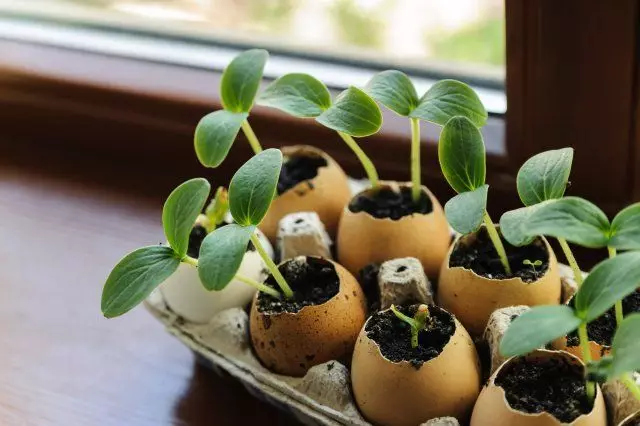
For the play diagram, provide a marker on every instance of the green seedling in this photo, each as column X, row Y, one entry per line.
column 353, row 113
column 533, row 264
column 610, row 281
column 462, row 159
column 250, row 193
column 217, row 209
column 444, row 100
column 418, row 323
column 623, row 359
column 239, row 85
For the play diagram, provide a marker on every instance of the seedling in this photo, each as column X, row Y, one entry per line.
column 444, row 100
column 533, row 264
column 250, row 193
column 418, row 323
column 217, row 209
column 352, row 113
column 462, row 158
column 609, row 282
column 239, row 85
column 623, row 359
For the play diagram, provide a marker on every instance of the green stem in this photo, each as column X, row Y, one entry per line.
column 497, row 242
column 631, row 385
column 282, row 283
column 618, row 305
column 586, row 357
column 415, row 159
column 577, row 273
column 190, row 261
column 251, row 137
column 261, row 287
column 372, row 173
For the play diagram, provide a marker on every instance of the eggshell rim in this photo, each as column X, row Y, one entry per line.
column 306, row 149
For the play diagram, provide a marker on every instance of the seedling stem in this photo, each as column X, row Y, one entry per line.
column 631, row 385
column 618, row 305
column 369, row 168
column 415, row 159
column 497, row 242
column 190, row 261
column 251, row 137
column 577, row 273
column 417, row 323
column 586, row 357
column 282, row 283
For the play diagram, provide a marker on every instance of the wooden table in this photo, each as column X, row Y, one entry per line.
column 61, row 362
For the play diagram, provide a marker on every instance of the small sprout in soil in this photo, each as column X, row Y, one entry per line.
column 533, row 264
column 623, row 359
column 239, row 85
column 444, row 100
column 217, row 209
column 609, row 282
column 419, row 322
column 462, row 159
column 352, row 113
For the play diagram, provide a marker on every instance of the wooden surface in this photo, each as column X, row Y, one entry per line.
column 61, row 362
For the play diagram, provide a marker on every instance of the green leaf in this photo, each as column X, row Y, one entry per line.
column 221, row 254
column 625, row 229
column 394, row 90
column 447, row 99
column 514, row 228
column 537, row 327
column 218, row 207
column 461, row 155
column 544, row 176
column 241, row 79
column 215, row 134
column 626, row 347
column 135, row 277
column 354, row 113
column 572, row 218
column 465, row 211
column 300, row 95
column 610, row 281
column 181, row 210
column 253, row 187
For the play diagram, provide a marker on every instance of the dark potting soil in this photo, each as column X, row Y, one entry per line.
column 368, row 279
column 602, row 329
column 553, row 385
column 313, row 283
column 197, row 235
column 393, row 335
column 387, row 203
column 298, row 168
column 481, row 257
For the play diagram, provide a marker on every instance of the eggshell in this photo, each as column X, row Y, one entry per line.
column 473, row 298
column 291, row 343
column 597, row 350
column 363, row 239
column 492, row 407
column 327, row 195
column 186, row 296
column 632, row 420
column 398, row 394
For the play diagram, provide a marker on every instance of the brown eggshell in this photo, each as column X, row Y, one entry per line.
column 327, row 195
column 395, row 393
column 291, row 343
column 472, row 298
column 597, row 350
column 492, row 407
column 363, row 239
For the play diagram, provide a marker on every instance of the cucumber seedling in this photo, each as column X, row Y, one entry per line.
column 250, row 193
column 461, row 153
column 609, row 282
column 533, row 264
column 352, row 113
column 216, row 132
column 418, row 323
column 216, row 211
column 444, row 100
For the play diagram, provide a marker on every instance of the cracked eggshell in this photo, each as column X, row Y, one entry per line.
column 326, row 194
column 185, row 295
column 492, row 407
column 398, row 394
column 290, row 343
column 363, row 239
column 473, row 298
